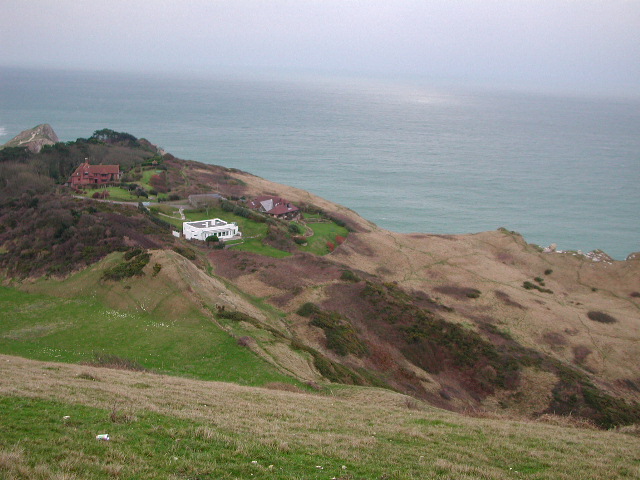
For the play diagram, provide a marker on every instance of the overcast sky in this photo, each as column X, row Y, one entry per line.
column 589, row 45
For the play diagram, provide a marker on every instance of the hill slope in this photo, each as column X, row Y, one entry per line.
column 481, row 321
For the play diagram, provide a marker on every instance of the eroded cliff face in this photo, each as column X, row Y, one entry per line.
column 35, row 138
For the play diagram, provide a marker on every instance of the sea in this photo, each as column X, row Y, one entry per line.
column 404, row 154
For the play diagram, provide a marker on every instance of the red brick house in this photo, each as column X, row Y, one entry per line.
column 275, row 206
column 87, row 174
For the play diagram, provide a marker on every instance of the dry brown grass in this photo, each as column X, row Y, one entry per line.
column 498, row 261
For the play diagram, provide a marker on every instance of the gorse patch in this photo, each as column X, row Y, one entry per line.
column 341, row 336
column 128, row 269
column 601, row 317
column 114, row 361
column 55, row 235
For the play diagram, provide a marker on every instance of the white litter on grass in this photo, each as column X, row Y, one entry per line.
column 103, row 436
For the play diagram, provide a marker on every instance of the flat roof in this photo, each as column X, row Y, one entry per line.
column 214, row 222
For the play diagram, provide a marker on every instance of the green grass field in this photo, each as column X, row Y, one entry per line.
column 117, row 194
column 323, row 233
column 147, row 173
column 75, row 330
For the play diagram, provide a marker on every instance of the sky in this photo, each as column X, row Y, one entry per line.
column 582, row 45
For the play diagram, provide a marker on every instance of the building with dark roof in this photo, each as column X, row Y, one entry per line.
column 274, row 206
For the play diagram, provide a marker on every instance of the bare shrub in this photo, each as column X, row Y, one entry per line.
column 580, row 354
column 506, row 299
column 246, row 341
column 119, row 416
column 554, row 339
column 88, row 376
column 460, row 293
column 601, row 317
column 411, row 403
column 113, row 361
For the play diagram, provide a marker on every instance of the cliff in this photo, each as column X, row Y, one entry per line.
column 35, row 138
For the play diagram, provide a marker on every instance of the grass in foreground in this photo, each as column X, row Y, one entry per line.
column 177, row 428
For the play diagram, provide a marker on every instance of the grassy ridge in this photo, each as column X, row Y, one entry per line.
column 182, row 428
column 75, row 330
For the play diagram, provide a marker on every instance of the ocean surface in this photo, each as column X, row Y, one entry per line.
column 407, row 156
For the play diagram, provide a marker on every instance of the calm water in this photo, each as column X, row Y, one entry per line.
column 410, row 158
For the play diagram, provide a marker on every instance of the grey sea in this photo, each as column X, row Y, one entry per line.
column 409, row 157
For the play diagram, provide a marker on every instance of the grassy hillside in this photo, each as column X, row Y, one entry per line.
column 172, row 428
column 85, row 330
column 145, row 320
column 482, row 322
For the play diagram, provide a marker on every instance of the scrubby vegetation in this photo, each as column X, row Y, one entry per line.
column 108, row 360
column 349, row 276
column 442, row 347
column 51, row 234
column 132, row 266
column 341, row 337
column 601, row 317
column 186, row 252
column 436, row 345
column 532, row 286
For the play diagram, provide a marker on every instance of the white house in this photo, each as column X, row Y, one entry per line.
column 206, row 228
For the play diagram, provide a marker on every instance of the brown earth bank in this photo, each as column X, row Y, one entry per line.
column 473, row 322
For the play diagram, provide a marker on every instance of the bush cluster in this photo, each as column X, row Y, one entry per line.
column 53, row 234
column 128, row 269
column 185, row 252
column 342, row 338
column 338, row 373
column 434, row 344
column 532, row 286
column 235, row 315
column 601, row 317
column 349, row 276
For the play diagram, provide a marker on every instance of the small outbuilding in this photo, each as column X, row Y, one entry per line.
column 207, row 228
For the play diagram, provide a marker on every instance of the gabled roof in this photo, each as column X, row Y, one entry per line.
column 273, row 205
column 97, row 169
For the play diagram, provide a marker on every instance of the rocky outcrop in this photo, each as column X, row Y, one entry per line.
column 35, row 138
